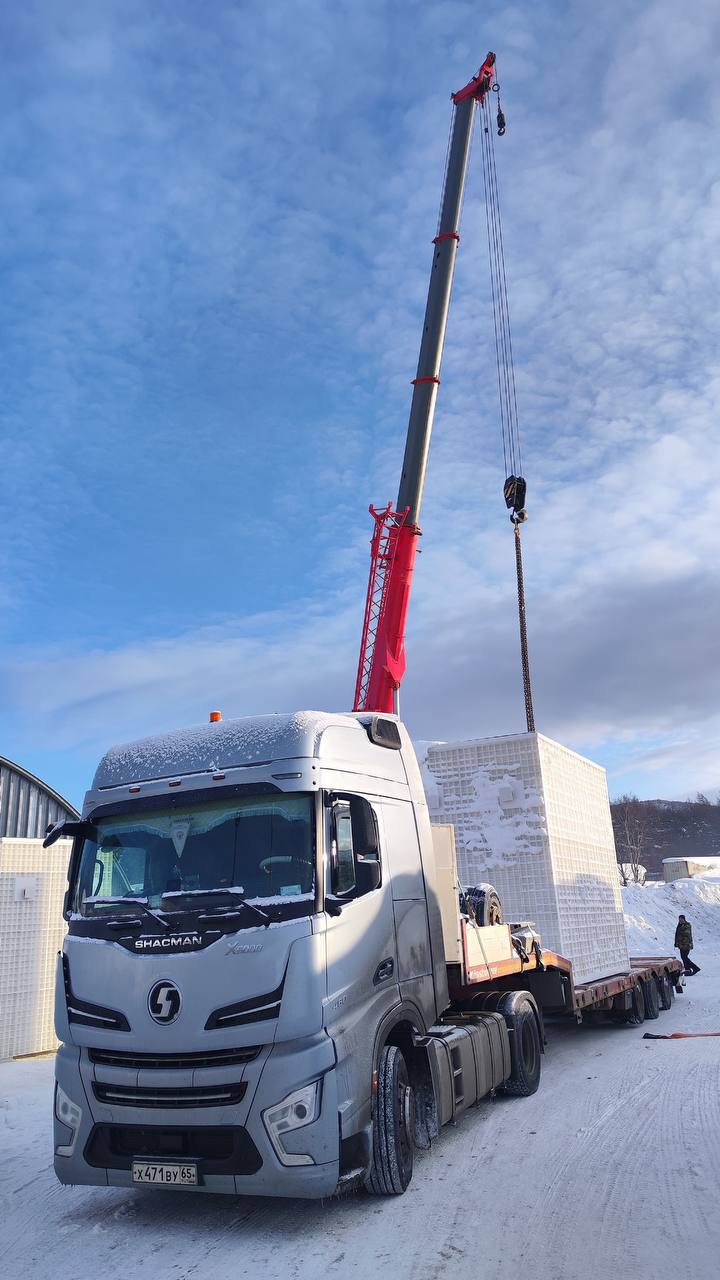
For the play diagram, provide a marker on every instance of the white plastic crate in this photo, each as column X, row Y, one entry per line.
column 533, row 819
column 32, row 884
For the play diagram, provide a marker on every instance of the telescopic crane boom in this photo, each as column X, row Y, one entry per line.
column 395, row 537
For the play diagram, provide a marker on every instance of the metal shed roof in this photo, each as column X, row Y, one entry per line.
column 27, row 804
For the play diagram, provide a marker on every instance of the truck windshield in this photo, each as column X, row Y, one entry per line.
column 262, row 847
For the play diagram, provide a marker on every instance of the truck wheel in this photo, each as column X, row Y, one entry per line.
column 484, row 902
column 666, row 991
column 636, row 1014
column 652, row 998
column 393, row 1127
column 524, row 1045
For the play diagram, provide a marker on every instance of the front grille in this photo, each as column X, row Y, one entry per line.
column 217, row 1149
column 174, row 1061
column 128, row 1095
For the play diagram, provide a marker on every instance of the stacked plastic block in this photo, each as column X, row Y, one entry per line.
column 533, row 818
column 32, row 883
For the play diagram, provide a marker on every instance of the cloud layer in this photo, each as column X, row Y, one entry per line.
column 213, row 283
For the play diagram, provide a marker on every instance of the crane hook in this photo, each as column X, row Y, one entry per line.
column 500, row 112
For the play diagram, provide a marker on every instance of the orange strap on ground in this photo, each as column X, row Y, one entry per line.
column 682, row 1035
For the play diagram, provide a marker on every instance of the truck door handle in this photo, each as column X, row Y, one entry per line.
column 384, row 970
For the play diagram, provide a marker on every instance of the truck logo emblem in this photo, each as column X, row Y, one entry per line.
column 169, row 942
column 164, row 1002
column 243, row 948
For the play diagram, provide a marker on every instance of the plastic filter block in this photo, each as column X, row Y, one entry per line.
column 533, row 819
column 32, row 884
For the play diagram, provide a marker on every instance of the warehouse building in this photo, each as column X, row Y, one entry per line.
column 27, row 805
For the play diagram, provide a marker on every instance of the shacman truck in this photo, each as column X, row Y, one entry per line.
column 271, row 983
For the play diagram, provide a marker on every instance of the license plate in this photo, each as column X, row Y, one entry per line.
column 184, row 1175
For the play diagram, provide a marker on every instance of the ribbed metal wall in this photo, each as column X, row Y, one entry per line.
column 27, row 805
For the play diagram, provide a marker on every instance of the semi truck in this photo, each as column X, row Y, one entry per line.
column 272, row 982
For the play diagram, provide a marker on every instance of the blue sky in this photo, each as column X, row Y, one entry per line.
column 215, row 246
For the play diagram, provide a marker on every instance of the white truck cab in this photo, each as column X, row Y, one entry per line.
column 253, row 991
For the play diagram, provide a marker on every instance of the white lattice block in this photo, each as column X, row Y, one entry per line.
column 32, row 885
column 533, row 818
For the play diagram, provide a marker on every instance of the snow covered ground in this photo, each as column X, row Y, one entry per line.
column 611, row 1170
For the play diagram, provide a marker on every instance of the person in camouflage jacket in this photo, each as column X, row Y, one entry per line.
column 684, row 944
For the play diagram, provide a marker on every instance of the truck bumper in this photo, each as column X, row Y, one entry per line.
column 95, row 1143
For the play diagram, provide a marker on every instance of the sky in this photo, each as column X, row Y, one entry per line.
column 216, row 240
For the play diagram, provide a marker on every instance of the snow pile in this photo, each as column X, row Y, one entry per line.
column 651, row 913
column 630, row 874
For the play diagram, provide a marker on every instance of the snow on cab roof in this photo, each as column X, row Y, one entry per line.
column 224, row 744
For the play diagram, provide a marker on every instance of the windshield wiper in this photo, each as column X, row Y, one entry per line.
column 133, row 902
column 233, row 894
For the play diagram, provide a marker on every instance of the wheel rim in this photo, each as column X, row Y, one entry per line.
column 405, row 1112
column 529, row 1049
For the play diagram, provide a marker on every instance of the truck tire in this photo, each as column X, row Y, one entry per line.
column 484, row 901
column 652, row 998
column 393, row 1127
column 525, row 1050
column 666, row 991
column 636, row 1015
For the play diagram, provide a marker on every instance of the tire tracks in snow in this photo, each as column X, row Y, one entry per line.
column 623, row 1190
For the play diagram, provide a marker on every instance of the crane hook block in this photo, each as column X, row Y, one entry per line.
column 514, row 493
column 500, row 122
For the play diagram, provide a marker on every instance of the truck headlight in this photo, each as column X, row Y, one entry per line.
column 294, row 1112
column 69, row 1114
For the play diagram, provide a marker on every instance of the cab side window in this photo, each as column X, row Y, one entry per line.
column 356, row 855
column 344, row 868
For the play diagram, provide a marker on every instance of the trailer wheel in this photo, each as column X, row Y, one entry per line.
column 652, row 998
column 393, row 1127
column 484, row 902
column 524, row 1045
column 636, row 1014
column 666, row 991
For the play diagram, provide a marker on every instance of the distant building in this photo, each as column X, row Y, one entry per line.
column 686, row 868
column 27, row 805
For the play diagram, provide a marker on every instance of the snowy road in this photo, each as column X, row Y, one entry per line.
column 612, row 1169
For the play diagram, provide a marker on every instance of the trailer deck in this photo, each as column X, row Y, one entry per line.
column 496, row 957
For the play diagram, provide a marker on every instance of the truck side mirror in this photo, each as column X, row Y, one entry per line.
column 364, row 829
column 70, row 827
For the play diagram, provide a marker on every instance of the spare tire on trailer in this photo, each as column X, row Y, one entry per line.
column 521, row 1018
column 652, row 998
column 484, row 903
column 666, row 990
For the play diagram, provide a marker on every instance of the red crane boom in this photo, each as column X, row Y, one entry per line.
column 395, row 537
